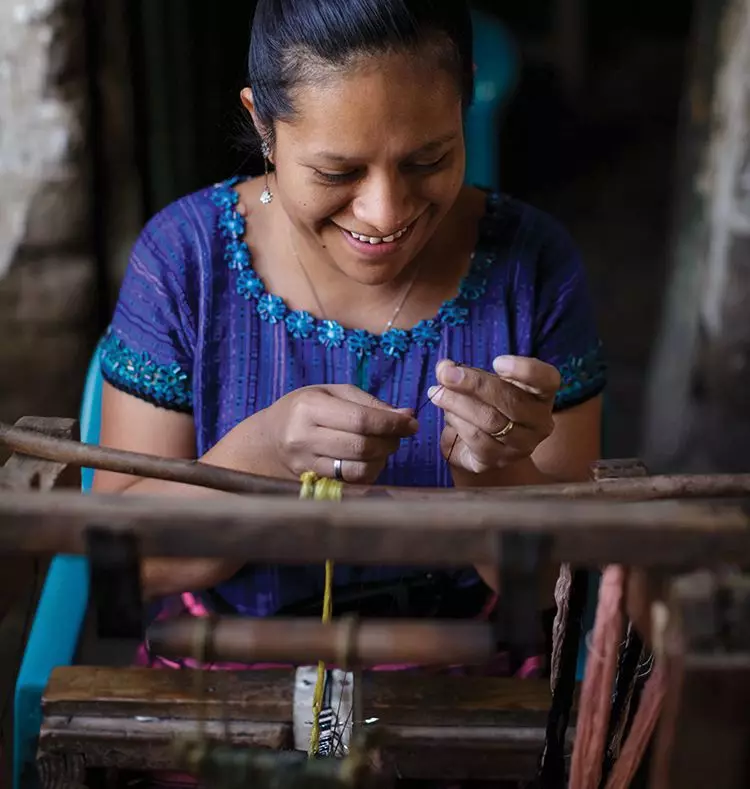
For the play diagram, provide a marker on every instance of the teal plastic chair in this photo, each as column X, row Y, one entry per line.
column 54, row 637
column 496, row 72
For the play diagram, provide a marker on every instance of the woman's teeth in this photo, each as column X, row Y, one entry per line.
column 375, row 240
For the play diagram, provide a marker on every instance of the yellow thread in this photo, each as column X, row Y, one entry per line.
column 321, row 489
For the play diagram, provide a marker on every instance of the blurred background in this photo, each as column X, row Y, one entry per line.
column 630, row 122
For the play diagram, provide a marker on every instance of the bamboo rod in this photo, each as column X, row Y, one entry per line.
column 193, row 472
column 667, row 534
column 345, row 643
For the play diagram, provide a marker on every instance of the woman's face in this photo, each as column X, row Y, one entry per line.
column 372, row 162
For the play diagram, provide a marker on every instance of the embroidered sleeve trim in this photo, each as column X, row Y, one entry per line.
column 583, row 377
column 136, row 373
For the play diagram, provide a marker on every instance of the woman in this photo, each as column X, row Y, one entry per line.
column 301, row 320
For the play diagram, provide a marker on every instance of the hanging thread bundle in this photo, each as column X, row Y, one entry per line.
column 321, row 489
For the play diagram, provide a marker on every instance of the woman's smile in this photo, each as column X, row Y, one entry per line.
column 375, row 247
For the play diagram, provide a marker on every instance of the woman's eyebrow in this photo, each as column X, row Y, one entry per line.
column 428, row 147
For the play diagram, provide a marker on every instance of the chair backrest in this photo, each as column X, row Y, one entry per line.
column 496, row 63
column 91, row 413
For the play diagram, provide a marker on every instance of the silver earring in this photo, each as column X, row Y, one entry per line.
column 267, row 195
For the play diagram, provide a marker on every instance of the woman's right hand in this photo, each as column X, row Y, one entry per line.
column 316, row 425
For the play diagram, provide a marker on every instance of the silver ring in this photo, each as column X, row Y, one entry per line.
column 338, row 472
column 501, row 434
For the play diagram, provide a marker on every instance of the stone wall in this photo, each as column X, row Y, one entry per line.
column 47, row 267
column 698, row 417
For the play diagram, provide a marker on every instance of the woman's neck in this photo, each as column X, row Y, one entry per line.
column 295, row 268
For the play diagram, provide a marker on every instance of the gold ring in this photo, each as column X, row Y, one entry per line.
column 501, row 434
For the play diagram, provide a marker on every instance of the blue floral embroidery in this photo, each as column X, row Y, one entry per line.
column 232, row 223
column 271, row 308
column 453, row 313
column 225, row 197
column 300, row 324
column 426, row 334
column 331, row 334
column 361, row 343
column 164, row 385
column 394, row 343
column 237, row 255
column 249, row 286
column 581, row 378
column 473, row 287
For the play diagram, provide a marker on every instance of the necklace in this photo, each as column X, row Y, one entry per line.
column 399, row 307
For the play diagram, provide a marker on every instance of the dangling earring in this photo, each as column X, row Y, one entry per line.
column 267, row 195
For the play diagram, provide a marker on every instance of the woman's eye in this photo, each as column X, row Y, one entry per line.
column 427, row 166
column 336, row 178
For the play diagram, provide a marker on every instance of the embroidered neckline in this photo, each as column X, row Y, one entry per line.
column 331, row 334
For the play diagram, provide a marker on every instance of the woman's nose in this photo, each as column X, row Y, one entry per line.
column 383, row 205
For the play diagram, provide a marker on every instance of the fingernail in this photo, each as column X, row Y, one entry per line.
column 413, row 425
column 450, row 374
column 432, row 392
column 502, row 365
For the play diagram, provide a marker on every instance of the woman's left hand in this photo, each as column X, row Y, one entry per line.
column 495, row 419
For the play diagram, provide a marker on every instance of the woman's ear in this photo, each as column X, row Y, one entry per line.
column 246, row 97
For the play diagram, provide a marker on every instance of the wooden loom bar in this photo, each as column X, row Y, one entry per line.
column 60, row 450
column 665, row 534
column 344, row 642
column 441, row 726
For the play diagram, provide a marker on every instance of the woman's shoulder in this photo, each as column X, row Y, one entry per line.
column 190, row 219
column 510, row 221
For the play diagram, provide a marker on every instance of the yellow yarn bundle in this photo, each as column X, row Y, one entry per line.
column 321, row 489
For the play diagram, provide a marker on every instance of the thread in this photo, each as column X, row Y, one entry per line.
column 321, row 489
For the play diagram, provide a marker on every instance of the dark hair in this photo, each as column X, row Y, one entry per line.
column 295, row 41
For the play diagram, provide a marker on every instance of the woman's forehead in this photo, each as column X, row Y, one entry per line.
column 396, row 103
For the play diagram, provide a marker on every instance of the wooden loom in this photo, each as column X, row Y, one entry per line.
column 447, row 728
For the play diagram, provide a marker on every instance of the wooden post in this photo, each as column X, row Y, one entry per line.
column 696, row 414
column 705, row 731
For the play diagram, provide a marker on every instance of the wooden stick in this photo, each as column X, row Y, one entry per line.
column 452, row 533
column 344, row 642
column 192, row 472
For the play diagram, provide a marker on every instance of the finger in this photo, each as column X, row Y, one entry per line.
column 530, row 416
column 487, row 451
column 325, row 410
column 481, row 385
column 531, row 375
column 351, row 446
column 352, row 471
column 356, row 395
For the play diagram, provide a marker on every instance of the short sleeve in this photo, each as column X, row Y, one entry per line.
column 149, row 346
column 565, row 332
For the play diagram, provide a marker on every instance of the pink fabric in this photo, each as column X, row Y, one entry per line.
column 596, row 695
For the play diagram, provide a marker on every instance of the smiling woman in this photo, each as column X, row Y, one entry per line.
column 295, row 322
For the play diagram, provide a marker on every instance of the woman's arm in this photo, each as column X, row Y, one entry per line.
column 303, row 430
column 135, row 425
